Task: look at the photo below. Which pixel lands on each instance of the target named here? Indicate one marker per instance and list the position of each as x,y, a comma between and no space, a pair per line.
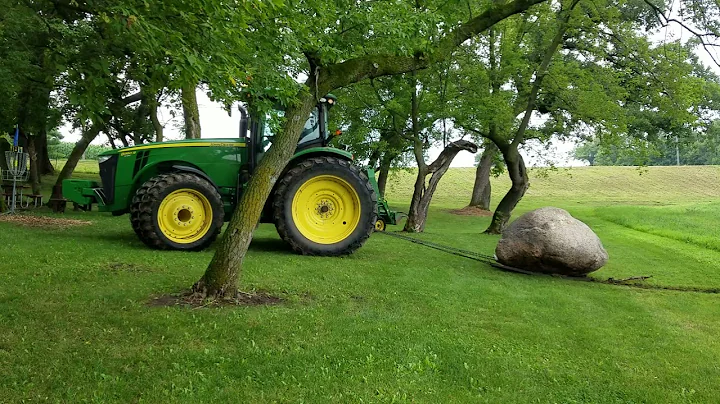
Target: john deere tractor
179,193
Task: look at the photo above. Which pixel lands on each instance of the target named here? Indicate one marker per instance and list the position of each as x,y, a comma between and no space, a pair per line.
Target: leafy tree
526,72
408,109
373,123
587,151
601,80
672,108
346,43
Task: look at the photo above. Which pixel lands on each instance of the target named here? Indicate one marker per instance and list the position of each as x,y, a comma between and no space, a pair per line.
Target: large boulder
549,240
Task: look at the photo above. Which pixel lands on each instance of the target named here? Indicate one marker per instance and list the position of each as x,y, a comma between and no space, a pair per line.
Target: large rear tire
324,206
177,211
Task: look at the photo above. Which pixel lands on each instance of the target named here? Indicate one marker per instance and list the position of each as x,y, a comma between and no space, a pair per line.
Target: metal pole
12,205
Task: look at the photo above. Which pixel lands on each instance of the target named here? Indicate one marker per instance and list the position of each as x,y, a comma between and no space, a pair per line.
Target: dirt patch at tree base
42,221
472,211
194,300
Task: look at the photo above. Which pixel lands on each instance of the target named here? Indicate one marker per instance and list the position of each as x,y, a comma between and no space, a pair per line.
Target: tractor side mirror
243,122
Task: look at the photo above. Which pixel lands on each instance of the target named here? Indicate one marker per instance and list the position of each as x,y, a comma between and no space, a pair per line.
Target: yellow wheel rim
185,216
379,225
326,209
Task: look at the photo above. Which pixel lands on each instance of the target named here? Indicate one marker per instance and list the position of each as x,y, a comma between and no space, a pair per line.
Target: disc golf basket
17,162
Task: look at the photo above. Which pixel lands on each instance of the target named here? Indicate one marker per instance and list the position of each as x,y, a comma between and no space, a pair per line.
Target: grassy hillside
83,166
583,185
394,322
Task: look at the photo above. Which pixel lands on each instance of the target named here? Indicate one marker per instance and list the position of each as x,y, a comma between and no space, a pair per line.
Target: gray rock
549,240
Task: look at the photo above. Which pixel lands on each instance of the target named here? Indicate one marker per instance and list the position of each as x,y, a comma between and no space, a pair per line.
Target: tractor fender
165,167
196,171
317,152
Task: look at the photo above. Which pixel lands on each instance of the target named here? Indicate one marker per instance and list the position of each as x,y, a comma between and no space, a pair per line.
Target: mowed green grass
83,166
394,322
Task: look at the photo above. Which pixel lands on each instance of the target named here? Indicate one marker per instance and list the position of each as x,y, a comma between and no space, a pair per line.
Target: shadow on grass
130,240
271,245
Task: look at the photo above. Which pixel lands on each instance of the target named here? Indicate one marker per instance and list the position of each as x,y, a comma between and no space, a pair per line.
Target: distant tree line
62,151
697,148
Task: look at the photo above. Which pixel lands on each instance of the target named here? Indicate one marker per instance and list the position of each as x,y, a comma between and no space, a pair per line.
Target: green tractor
180,193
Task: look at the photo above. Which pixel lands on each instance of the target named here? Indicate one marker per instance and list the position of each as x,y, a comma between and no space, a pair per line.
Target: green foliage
54,137
62,151
498,166
376,117
609,80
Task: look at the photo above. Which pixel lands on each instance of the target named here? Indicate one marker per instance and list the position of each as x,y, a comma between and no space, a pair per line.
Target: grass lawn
395,322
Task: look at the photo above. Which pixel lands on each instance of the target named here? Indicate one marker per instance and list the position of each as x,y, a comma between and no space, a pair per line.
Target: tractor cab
262,129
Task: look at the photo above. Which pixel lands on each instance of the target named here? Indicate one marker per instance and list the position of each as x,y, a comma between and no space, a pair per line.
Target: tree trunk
191,112
520,183
123,140
384,171
422,194
159,137
417,214
481,190
34,169
111,141
44,164
88,136
223,274
4,146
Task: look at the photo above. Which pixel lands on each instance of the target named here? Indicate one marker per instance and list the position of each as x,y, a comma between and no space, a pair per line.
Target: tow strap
490,260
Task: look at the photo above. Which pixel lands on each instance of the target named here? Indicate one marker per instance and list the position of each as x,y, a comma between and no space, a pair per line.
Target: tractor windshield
311,132
312,127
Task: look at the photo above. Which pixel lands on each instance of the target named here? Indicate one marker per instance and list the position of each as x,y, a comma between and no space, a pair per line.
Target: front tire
177,211
324,206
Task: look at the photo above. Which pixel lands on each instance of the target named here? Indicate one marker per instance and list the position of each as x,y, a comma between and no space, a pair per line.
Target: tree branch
664,21
540,74
371,66
132,98
450,151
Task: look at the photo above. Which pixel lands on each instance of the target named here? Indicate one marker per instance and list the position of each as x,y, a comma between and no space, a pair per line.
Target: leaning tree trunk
520,183
417,214
88,136
481,190
422,194
223,274
191,112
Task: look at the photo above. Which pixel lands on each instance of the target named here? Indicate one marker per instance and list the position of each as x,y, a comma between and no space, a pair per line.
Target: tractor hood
228,142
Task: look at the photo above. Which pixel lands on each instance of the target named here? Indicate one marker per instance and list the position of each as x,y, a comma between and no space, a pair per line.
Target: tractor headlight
103,159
